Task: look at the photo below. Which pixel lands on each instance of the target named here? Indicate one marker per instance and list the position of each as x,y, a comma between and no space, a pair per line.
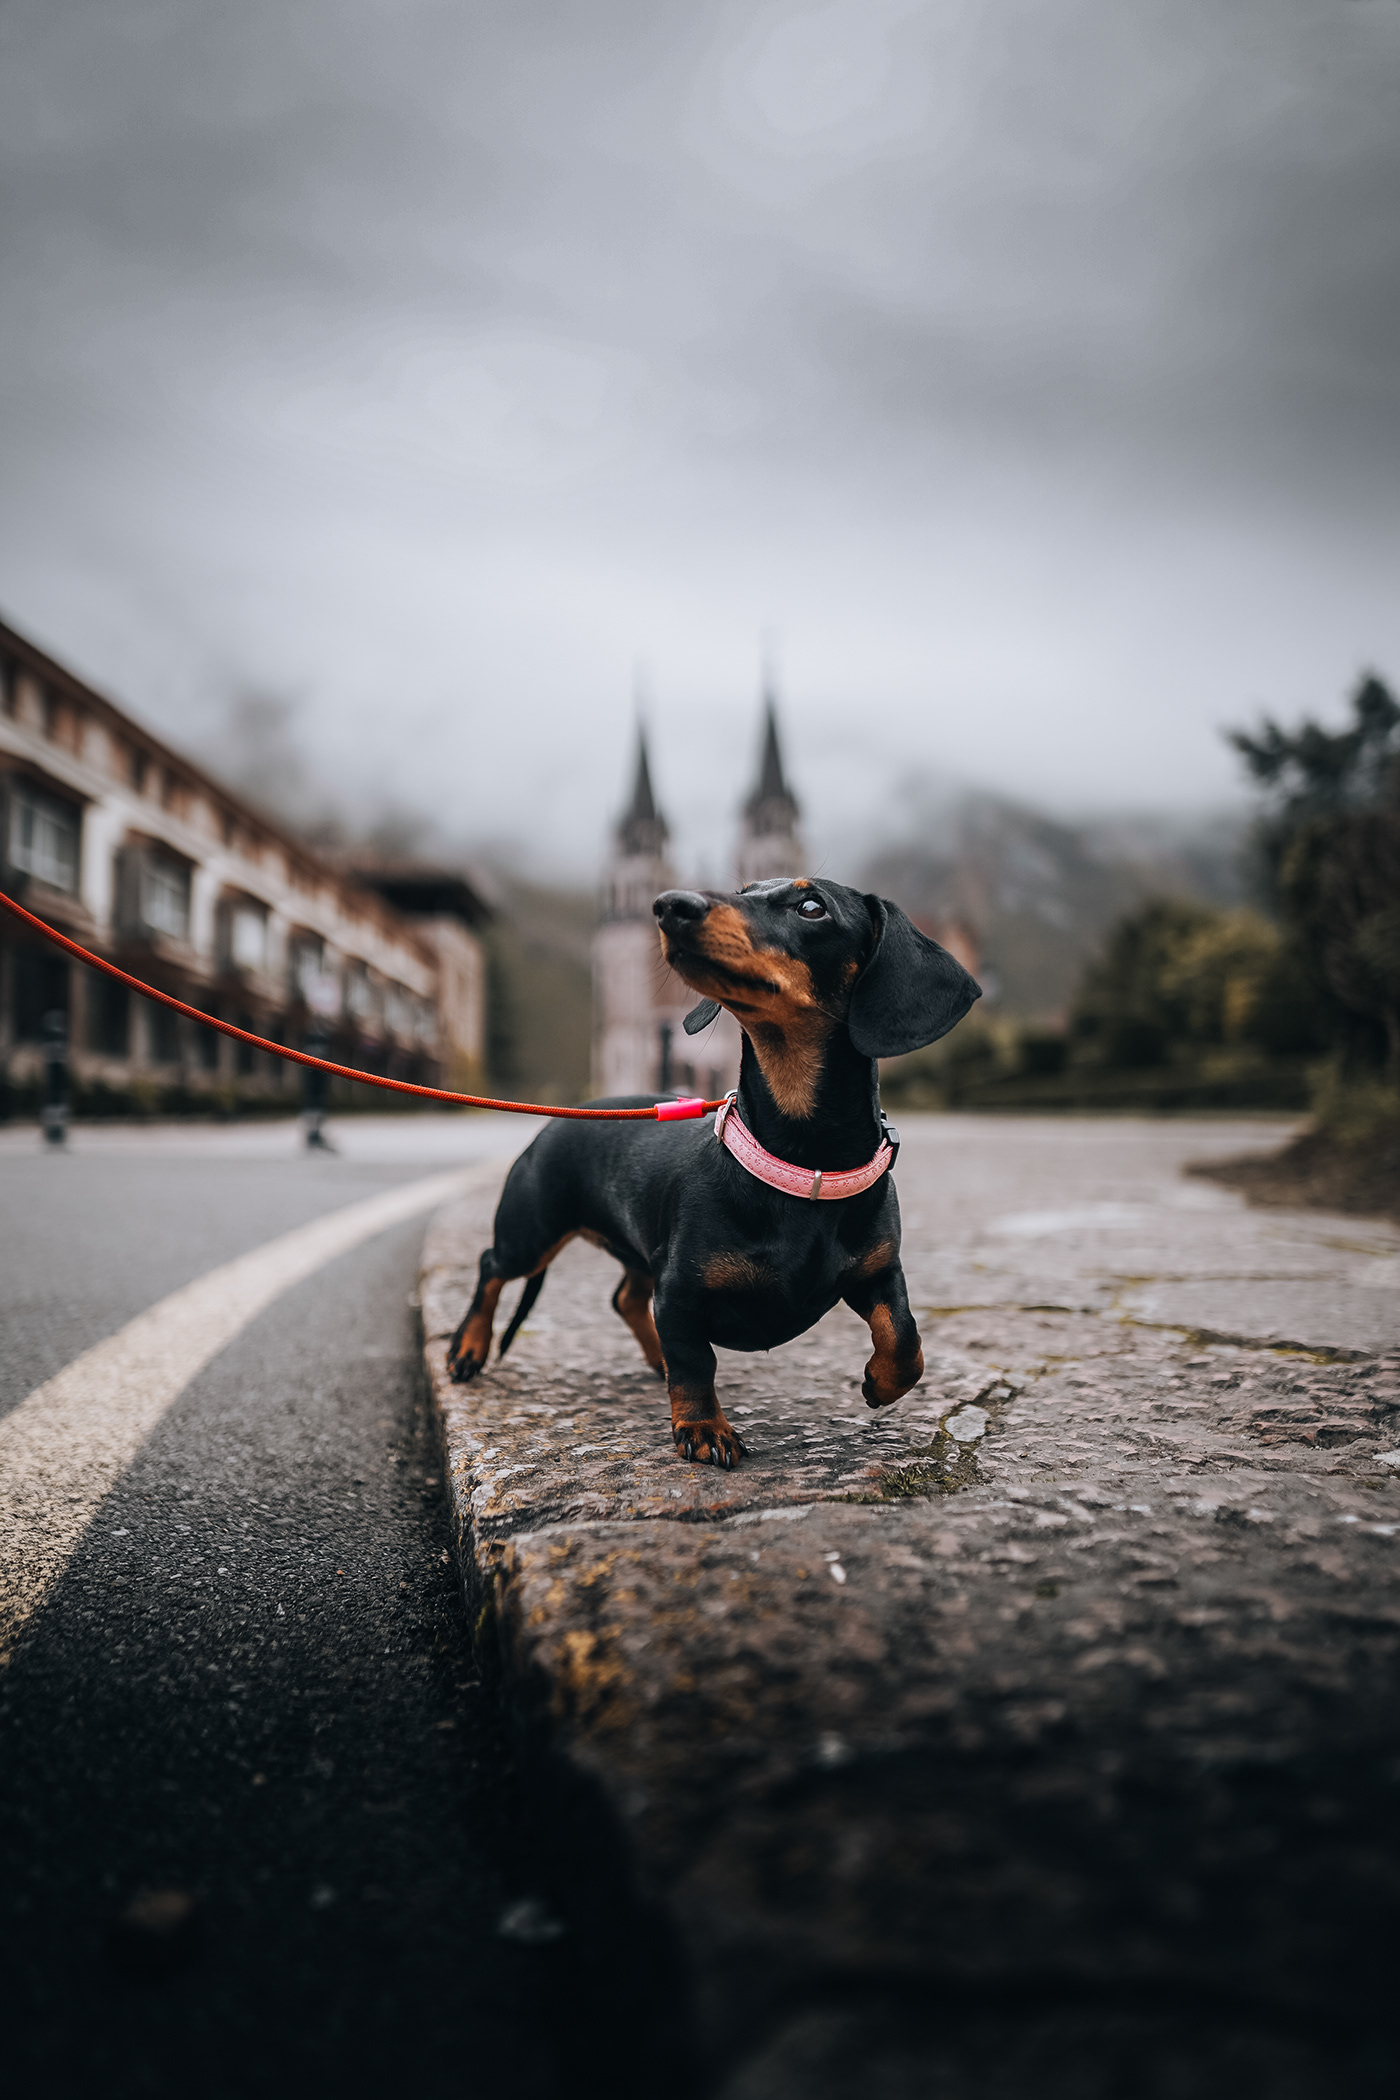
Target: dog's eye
810,908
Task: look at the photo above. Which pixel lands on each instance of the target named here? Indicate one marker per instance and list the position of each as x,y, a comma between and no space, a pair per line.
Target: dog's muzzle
678,910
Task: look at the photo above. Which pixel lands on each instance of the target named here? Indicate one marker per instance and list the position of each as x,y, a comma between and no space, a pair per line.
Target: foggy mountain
1038,895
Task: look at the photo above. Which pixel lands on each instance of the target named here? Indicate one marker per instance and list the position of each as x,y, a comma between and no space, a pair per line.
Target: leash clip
722,1112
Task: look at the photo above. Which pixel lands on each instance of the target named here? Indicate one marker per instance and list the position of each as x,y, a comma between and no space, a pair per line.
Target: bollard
55,1076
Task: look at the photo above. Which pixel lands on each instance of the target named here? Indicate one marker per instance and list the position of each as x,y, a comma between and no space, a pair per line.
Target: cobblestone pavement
1045,1726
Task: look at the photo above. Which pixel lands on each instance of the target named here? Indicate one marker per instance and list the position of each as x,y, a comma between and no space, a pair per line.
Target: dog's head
793,960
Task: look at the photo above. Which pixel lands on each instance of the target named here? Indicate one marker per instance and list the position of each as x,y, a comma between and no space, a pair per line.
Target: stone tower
770,842
636,1014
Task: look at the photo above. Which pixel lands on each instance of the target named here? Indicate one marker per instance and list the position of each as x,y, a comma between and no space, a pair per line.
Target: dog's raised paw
462,1369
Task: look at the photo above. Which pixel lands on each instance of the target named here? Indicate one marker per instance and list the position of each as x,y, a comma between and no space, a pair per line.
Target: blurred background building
117,840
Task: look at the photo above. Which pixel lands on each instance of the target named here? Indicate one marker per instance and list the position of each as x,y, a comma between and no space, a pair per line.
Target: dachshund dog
739,1242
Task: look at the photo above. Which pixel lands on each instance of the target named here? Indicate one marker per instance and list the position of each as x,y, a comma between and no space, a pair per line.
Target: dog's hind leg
632,1302
471,1344
534,1285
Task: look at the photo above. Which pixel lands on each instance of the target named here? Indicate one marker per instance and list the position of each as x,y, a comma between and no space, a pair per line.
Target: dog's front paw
711,1442
876,1396
462,1369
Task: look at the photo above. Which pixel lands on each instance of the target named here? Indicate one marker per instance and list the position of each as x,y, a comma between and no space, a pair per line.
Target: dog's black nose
677,907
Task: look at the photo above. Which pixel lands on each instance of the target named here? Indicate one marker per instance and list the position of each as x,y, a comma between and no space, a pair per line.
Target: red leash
664,1111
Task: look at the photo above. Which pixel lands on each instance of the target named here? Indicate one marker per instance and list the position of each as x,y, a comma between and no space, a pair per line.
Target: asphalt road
260,1827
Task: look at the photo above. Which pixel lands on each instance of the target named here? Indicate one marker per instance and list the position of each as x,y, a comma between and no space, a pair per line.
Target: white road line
68,1443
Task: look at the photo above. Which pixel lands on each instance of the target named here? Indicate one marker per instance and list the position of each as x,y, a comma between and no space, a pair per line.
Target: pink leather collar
817,1186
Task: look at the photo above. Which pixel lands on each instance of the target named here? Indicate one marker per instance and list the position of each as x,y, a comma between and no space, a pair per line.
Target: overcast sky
1029,373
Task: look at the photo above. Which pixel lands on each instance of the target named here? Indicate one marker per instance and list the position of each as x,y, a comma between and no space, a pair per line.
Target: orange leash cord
680,1111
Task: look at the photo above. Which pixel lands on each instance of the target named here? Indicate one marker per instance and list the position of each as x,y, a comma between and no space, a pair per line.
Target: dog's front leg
898,1363
698,1426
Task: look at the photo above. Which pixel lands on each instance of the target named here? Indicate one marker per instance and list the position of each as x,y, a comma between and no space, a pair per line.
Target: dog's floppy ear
700,1016
910,992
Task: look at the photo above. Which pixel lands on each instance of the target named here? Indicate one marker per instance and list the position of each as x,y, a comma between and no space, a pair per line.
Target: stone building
639,1046
117,840
447,911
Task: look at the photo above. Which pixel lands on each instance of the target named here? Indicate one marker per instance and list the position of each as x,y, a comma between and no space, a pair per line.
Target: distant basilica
638,1004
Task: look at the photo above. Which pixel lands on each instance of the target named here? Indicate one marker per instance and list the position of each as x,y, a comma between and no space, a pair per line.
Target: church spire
772,806
770,843
642,829
638,1007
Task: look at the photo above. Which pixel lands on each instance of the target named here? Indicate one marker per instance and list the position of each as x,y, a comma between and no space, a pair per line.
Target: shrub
1330,847
1176,972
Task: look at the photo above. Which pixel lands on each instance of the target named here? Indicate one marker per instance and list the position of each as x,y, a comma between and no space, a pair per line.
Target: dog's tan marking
736,1272
888,1376
791,1056
559,1246
876,1258
632,1299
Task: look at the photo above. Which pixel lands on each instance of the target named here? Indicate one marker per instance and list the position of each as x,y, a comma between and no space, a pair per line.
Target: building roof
421,890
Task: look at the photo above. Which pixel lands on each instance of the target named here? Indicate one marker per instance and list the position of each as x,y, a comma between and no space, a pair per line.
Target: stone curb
974,1697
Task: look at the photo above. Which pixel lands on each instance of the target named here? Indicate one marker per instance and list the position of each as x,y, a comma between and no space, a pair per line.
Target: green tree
1130,1003
1176,972
1331,853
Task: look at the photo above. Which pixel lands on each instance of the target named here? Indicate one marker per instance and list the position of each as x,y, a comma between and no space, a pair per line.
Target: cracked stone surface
1067,1687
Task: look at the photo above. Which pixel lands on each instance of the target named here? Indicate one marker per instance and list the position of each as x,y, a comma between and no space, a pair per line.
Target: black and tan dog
823,981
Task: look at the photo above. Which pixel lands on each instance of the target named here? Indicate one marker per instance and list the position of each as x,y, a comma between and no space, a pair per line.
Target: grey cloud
1033,370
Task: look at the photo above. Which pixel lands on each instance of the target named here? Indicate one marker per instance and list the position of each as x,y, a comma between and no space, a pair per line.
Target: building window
41,988
165,896
206,1041
304,953
44,834
163,1035
398,1012
108,1018
363,1000
247,937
